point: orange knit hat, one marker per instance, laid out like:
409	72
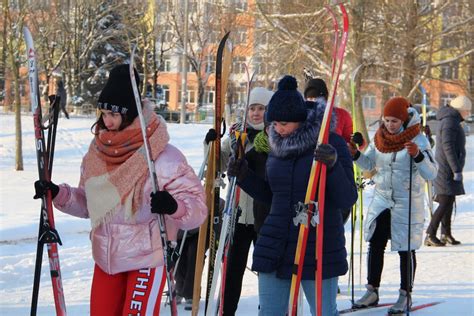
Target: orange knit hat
397	107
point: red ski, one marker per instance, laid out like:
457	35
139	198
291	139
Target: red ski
315	210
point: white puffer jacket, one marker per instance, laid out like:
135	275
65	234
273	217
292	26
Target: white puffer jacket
392	185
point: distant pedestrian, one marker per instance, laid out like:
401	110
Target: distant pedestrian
61	92
451	155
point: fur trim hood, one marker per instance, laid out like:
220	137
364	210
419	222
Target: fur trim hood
302	139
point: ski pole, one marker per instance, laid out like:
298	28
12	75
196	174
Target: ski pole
166	244
409	286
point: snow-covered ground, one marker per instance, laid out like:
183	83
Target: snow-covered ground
443	274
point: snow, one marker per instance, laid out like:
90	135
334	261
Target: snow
443	274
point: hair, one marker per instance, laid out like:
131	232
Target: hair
100	125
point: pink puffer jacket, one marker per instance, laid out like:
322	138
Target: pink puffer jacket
120	245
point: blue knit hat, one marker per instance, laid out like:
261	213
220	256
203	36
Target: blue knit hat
287	104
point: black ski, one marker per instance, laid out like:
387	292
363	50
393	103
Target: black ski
47	234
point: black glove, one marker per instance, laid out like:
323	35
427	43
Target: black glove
42	185
163	203
326	154
357	138
210	136
237	168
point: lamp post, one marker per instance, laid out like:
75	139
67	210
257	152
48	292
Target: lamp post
184	63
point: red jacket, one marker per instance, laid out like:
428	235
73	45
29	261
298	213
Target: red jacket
344	124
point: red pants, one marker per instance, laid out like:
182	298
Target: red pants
129	293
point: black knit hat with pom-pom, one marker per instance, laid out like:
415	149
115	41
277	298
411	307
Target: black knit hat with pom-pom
287	104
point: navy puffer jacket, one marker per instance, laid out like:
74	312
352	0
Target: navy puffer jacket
288	168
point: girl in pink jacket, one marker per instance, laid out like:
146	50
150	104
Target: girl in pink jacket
115	192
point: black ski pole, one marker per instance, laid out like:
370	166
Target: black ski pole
409	285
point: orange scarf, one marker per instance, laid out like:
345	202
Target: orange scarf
115	167
389	143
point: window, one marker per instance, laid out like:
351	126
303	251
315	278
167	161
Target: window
449	71
210	64
165	64
261	65
240	36
451	14
239	96
209	95
166	93
238	66
191	95
369	101
446	98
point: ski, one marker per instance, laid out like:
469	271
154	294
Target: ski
358	180
229	219
213	183
361	309
415	308
166	244
428	184
44	153
311	212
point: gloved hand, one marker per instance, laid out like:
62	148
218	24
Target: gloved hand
42	185
163	203
237	167
352	148
427	130
326	154
412	149
357	138
210	136
457	176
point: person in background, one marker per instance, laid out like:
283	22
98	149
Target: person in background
186	267
397	141
451	156
61	92
316	88
244	233
115	192
293	134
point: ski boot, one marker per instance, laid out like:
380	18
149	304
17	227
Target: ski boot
370	298
188	304
400	306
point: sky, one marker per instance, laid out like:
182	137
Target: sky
443	275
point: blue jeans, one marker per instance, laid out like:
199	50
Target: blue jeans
274	295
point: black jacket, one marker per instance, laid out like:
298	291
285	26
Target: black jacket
450	153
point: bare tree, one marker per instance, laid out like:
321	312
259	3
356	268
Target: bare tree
207	23
14	17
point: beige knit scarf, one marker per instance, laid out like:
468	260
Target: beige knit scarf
115	167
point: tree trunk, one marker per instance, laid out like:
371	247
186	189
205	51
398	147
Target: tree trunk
18	138
408	61
3	71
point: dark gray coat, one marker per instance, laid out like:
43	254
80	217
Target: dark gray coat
450	151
